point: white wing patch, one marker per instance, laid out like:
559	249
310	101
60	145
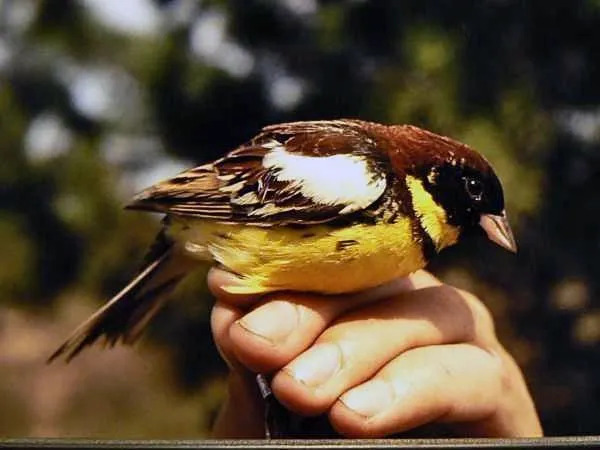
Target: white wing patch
330	180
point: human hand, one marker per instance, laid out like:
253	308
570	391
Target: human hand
384	361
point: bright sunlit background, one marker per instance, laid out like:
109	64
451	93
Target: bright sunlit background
100	98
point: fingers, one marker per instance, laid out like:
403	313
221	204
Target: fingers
299	318
378	367
285	324
450	383
355	348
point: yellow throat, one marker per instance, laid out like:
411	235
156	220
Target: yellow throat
431	215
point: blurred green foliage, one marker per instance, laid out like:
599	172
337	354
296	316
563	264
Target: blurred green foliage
101	98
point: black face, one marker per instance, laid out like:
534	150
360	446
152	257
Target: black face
465	193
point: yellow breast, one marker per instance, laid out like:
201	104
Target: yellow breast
318	259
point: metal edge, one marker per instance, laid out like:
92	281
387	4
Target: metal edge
407	444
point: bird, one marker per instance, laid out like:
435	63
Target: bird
326	206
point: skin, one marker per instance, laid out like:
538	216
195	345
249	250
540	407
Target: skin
414	352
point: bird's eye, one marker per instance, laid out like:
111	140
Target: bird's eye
474	188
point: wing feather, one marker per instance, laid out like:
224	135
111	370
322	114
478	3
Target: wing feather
295	173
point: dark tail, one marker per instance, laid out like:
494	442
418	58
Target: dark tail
127	313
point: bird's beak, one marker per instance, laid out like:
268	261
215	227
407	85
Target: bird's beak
498	230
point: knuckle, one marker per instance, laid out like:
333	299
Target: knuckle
484	321
454	311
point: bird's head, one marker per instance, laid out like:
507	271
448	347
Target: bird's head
459	180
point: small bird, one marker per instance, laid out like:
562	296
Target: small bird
328	206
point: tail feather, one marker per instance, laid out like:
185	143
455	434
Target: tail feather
125	315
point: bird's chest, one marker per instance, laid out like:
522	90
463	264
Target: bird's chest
319	259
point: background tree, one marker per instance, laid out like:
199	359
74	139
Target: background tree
100	98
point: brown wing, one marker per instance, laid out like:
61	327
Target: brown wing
296	173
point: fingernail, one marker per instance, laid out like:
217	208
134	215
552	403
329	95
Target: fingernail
369	399
422	279
317	365
227	278
274	321
220	279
